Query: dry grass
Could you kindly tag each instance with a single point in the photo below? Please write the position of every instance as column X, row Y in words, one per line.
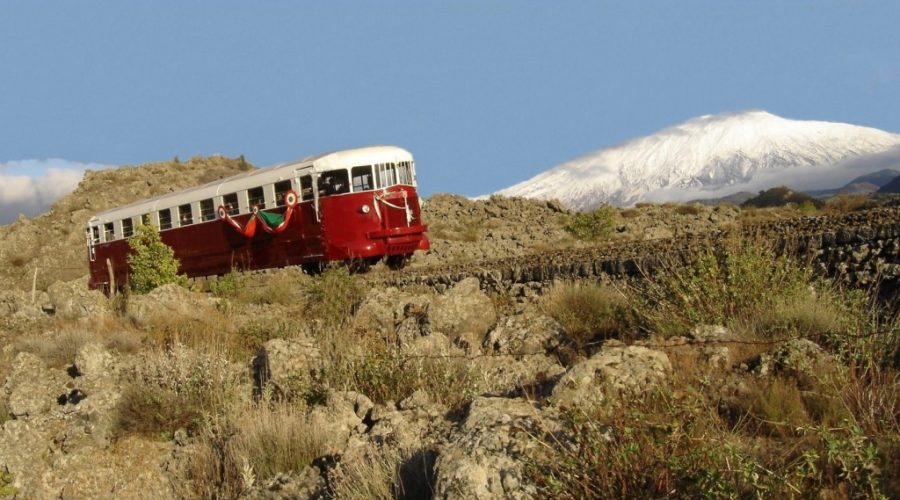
column 384, row 372
column 676, row 444
column 386, row 474
column 748, row 287
column 62, row 340
column 845, row 204
column 250, row 443
column 173, row 388
column 693, row 209
column 589, row 312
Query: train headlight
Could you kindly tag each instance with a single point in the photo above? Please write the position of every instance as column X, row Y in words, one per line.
column 364, row 209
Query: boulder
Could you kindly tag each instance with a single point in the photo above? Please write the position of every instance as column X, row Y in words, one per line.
column 464, row 314
column 484, row 458
column 31, row 388
column 306, row 483
column 522, row 353
column 73, row 299
column 712, row 341
column 169, row 301
column 338, row 418
column 525, row 333
column 803, row 356
column 287, row 366
column 131, row 468
column 610, row 375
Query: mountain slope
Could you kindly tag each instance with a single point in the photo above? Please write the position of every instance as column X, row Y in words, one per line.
column 53, row 242
column 891, row 187
column 706, row 157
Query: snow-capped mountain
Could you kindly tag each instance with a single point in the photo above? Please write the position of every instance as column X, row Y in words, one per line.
column 717, row 155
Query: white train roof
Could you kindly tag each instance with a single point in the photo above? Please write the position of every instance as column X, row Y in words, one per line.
column 256, row 178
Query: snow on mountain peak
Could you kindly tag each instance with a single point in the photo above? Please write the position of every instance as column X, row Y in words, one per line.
column 709, row 156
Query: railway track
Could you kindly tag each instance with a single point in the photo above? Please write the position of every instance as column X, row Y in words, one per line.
column 856, row 245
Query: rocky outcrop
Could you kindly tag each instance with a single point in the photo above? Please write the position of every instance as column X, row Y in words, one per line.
column 484, row 457
column 73, row 299
column 464, row 314
column 307, row 483
column 520, row 352
column 286, row 367
column 610, row 376
column 167, row 302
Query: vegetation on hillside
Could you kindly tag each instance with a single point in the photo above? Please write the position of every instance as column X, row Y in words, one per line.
column 781, row 196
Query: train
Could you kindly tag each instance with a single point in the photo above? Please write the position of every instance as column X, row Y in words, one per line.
column 358, row 206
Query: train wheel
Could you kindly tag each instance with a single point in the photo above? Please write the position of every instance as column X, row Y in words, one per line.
column 398, row 261
column 312, row 268
column 362, row 265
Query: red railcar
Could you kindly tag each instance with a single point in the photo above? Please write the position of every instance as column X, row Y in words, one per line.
column 356, row 205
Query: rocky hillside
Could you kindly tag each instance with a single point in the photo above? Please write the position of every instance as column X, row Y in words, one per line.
column 53, row 243
column 732, row 370
column 278, row 385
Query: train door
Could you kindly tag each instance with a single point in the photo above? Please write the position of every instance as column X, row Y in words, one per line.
column 310, row 220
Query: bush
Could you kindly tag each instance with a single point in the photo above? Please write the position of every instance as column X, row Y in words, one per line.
column 152, row 262
column 173, row 389
column 591, row 226
column 588, row 312
column 738, row 287
column 676, row 446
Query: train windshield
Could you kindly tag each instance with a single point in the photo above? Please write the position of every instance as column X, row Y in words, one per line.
column 390, row 174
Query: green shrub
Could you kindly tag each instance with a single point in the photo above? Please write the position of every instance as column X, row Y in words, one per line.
column 228, row 285
column 738, row 286
column 591, row 226
column 152, row 262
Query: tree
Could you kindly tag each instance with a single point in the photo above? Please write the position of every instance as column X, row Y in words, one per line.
column 152, row 262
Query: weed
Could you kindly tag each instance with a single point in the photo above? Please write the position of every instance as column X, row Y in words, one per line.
column 254, row 442
column 736, row 287
column 677, row 447
column 227, row 286
column 333, row 296
column 591, row 226
column 386, row 473
column 172, row 389
column 589, row 312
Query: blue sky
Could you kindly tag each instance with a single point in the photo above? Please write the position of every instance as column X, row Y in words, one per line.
column 484, row 93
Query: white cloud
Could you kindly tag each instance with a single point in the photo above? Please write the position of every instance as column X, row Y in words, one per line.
column 30, row 186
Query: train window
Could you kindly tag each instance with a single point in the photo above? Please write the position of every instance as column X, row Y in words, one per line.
column 185, row 217
column 403, row 174
column 165, row 219
column 207, row 210
column 333, row 182
column 362, row 178
column 255, row 195
column 145, row 219
column 109, row 233
column 387, row 175
column 95, row 234
column 127, row 228
column 231, row 204
column 281, row 188
column 306, row 190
